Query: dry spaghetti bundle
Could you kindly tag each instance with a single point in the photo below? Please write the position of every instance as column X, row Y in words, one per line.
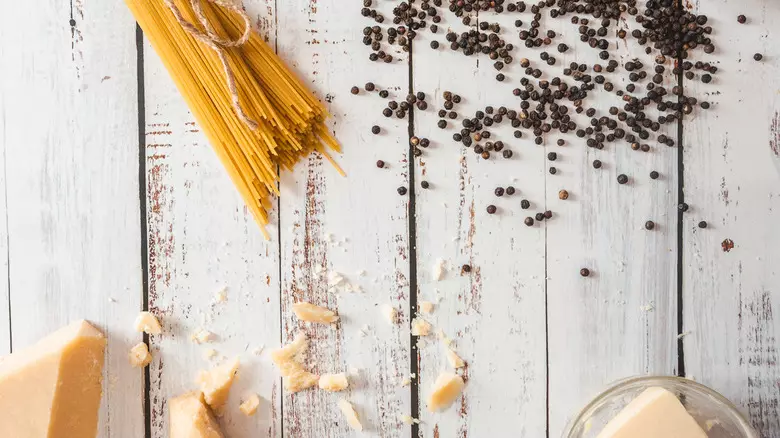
column 255, row 112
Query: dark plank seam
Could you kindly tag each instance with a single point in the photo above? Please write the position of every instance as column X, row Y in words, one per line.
column 279, row 240
column 546, row 318
column 680, row 226
column 139, row 47
column 411, row 215
column 7, row 249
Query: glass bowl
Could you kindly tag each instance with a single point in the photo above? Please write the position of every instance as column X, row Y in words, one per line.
column 714, row 413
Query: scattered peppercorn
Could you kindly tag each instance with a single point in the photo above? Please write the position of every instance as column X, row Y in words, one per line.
column 649, row 225
column 585, row 272
column 654, row 175
column 741, row 19
column 401, row 190
column 491, row 209
column 539, row 217
column 529, row 221
column 370, row 86
column 597, row 164
column 563, row 195
column 758, row 57
column 548, row 214
column 465, row 268
column 499, row 191
column 703, row 224
column 524, row 204
column 354, row 90
column 552, row 156
column 553, row 171
column 682, row 207
column 622, row 179
column 510, row 191
column 375, row 129
column 380, row 164
column 414, row 141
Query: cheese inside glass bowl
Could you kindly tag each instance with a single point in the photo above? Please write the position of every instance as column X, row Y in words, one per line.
column 715, row 415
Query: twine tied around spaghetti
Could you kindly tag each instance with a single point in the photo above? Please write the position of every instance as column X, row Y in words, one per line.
column 210, row 38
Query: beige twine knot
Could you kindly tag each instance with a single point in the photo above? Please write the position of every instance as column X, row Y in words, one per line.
column 218, row 44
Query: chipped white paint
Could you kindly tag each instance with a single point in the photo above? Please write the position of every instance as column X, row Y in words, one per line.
column 732, row 298
column 68, row 127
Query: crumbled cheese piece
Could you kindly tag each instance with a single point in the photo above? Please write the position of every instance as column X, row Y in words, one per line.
column 406, row 381
column 425, row 306
column 420, row 327
column 454, row 360
column 148, row 323
column 210, row 353
column 390, row 313
column 446, row 389
column 249, row 406
column 221, row 295
column 334, row 382
column 683, row 334
column 438, row 270
column 335, row 279
column 310, row 313
column 349, row 413
column 215, row 383
column 288, row 359
column 408, row 419
column 202, row 336
column 140, row 356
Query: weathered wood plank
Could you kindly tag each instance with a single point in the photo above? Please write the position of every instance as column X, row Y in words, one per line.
column 732, row 295
column 346, row 225
column 5, row 304
column 620, row 321
column 203, row 239
column 494, row 314
column 69, row 118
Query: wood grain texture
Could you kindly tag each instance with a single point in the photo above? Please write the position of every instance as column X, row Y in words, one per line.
column 69, row 120
column 354, row 225
column 202, row 239
column 732, row 295
column 494, row 314
column 621, row 321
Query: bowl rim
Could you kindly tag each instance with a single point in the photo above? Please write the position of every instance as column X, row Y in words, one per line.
column 622, row 383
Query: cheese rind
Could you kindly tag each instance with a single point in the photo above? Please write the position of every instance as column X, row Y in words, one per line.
column 446, row 389
column 215, row 384
column 53, row 388
column 191, row 418
column 656, row 412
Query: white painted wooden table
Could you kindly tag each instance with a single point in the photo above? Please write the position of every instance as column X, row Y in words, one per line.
column 95, row 226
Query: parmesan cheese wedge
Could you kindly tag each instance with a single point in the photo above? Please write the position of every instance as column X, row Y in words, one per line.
column 310, row 313
column 288, row 359
column 148, row 323
column 446, row 389
column 215, row 384
column 191, row 418
column 349, row 413
column 334, row 382
column 420, row 327
column 140, row 356
column 249, row 406
column 454, row 360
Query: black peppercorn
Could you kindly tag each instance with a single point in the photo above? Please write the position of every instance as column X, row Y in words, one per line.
column 682, row 207
column 649, row 225
column 654, row 175
column 442, row 124
column 552, row 156
column 465, row 268
column 758, row 57
column 387, row 112
column 703, row 224
column 584, row 272
column 499, row 191
column 510, row 191
column 507, row 153
column 383, row 94
column 524, row 204
column 424, row 184
column 375, row 129
column 597, row 164
column 539, row 217
column 434, row 44
column 380, row 164
column 354, row 90
column 741, row 19
column 622, row 179
column 491, row 209
column 529, row 221
column 401, row 190
column 553, row 171
column 370, row 86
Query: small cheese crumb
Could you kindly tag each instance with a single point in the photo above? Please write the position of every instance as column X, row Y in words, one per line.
column 249, row 406
column 288, row 359
column 454, row 359
column 349, row 413
column 408, row 419
column 221, row 295
column 438, row 270
column 210, row 354
column 140, row 356
column 335, row 279
column 334, row 382
column 148, row 323
column 446, row 389
column 420, row 327
column 425, row 306
column 390, row 313
column 202, row 336
column 310, row 313
column 406, row 381
column 215, row 383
